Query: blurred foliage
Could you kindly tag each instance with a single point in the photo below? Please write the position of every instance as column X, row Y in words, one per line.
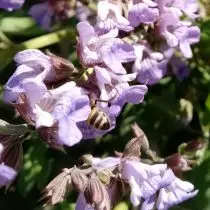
column 160, row 116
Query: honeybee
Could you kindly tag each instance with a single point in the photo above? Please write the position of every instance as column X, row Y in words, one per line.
column 97, row 118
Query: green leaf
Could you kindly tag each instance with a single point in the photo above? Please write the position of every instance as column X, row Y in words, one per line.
column 34, row 164
column 23, row 26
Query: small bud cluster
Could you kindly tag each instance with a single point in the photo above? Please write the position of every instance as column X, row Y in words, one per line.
column 100, row 182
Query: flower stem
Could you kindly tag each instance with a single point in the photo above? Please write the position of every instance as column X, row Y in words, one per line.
column 48, row 39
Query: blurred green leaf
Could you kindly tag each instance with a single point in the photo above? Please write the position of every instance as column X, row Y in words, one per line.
column 23, row 26
column 35, row 163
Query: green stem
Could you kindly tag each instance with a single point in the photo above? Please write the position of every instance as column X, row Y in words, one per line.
column 48, row 39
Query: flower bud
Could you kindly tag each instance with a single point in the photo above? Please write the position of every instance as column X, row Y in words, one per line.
column 104, row 176
column 96, row 194
column 63, row 67
column 178, row 163
column 115, row 189
column 57, row 189
column 79, row 179
column 138, row 132
column 133, row 147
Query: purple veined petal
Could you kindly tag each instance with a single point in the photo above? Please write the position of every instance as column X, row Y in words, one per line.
column 86, row 31
column 185, row 49
column 81, row 203
column 65, row 88
column 111, row 34
column 11, row 4
column 30, row 55
column 68, row 132
column 148, row 203
column 82, row 109
column 175, row 193
column 42, row 13
column 134, row 94
column 105, row 163
column 193, row 34
column 190, row 8
column 152, row 71
column 7, row 174
column 102, row 75
column 166, row 21
column 184, row 185
column 167, row 178
column 34, row 90
column 116, row 52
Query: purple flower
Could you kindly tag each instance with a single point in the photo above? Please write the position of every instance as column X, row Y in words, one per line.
column 149, row 66
column 175, row 193
column 61, row 108
column 34, row 67
column 142, row 11
column 177, row 7
column 144, row 180
column 125, row 94
column 7, row 174
column 11, row 4
column 178, row 33
column 179, row 67
column 43, row 14
column 110, row 17
column 82, row 12
column 104, row 50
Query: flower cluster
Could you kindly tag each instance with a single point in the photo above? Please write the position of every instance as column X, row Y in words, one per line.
column 100, row 182
column 128, row 48
column 43, row 92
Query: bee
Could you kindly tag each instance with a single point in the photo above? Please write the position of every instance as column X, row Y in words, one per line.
column 85, row 76
column 98, row 119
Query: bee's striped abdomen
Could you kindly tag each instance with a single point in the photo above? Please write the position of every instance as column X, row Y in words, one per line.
column 98, row 119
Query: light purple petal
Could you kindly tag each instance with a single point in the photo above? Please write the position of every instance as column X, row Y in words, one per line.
column 86, row 31
column 81, row 203
column 105, row 163
column 149, row 203
column 68, row 132
column 142, row 13
column 82, row 109
column 42, row 13
column 11, row 4
column 7, row 174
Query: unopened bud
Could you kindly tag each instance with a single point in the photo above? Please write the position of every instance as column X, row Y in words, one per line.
column 195, row 145
column 186, row 111
column 96, row 194
column 79, row 180
column 138, row 132
column 57, row 189
column 104, row 176
column 133, row 147
column 87, row 159
column 178, row 163
column 115, row 190
column 63, row 67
